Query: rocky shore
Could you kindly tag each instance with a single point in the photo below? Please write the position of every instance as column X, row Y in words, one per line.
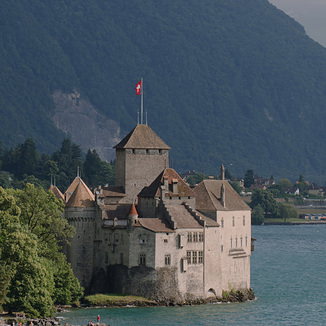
column 231, row 296
column 51, row 321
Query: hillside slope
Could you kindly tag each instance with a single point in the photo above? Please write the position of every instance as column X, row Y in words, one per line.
column 225, row 81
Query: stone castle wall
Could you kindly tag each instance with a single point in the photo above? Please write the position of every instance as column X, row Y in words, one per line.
column 138, row 168
column 80, row 251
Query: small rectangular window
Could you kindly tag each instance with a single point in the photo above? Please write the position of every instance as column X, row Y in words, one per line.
column 194, row 257
column 167, row 259
column 195, row 237
column 201, row 236
column 142, row 259
column 189, row 257
column 189, row 237
column 184, row 263
column 181, row 240
column 200, row 257
column 244, row 220
column 233, row 221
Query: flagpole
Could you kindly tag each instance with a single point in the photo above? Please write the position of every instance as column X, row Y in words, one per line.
column 142, row 101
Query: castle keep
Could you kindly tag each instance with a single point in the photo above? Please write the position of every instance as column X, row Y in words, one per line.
column 152, row 235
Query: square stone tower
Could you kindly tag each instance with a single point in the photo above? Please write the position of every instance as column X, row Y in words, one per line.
column 140, row 157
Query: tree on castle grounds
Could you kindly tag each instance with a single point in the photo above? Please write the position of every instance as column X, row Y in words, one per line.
column 31, row 230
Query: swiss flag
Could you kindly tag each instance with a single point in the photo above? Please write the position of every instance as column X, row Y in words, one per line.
column 138, row 88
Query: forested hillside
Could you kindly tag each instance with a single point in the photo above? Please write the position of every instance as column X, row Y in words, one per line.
column 225, row 81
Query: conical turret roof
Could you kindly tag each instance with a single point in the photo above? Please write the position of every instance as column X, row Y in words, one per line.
column 133, row 211
column 81, row 197
column 142, row 137
column 73, row 186
column 57, row 192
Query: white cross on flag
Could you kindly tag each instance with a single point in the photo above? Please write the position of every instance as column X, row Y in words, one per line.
column 138, row 88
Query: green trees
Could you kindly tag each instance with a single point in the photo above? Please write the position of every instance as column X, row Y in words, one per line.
column 249, row 178
column 257, row 215
column 287, row 211
column 61, row 165
column 265, row 199
column 262, row 201
column 97, row 172
column 302, row 185
column 68, row 159
column 235, row 185
column 35, row 274
column 285, row 184
column 196, row 179
column 100, row 66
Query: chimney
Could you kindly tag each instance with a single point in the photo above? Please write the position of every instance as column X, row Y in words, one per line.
column 223, row 195
column 222, row 172
column 175, row 186
column 166, row 184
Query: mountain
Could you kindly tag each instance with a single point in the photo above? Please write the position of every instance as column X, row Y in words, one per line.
column 225, row 81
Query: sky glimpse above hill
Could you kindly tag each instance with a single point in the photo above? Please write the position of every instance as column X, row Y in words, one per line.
column 309, row 13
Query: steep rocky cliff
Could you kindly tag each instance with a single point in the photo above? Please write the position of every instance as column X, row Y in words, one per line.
column 82, row 122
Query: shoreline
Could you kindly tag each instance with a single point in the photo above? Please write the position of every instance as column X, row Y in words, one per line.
column 228, row 297
column 295, row 223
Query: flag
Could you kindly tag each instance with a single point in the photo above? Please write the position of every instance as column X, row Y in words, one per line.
column 138, row 88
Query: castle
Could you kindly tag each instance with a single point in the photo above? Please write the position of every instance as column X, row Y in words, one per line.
column 152, row 235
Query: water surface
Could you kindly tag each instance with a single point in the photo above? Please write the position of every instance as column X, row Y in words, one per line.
column 288, row 275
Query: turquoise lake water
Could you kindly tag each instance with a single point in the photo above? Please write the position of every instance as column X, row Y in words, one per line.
column 288, row 275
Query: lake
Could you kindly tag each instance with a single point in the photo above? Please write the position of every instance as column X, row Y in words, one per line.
column 288, row 274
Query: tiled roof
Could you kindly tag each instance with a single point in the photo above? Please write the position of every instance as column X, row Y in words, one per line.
column 209, row 197
column 57, row 192
column 155, row 224
column 120, row 211
column 142, row 137
column 182, row 217
column 73, row 186
column 81, row 197
column 185, row 220
column 153, row 190
column 133, row 211
column 111, row 191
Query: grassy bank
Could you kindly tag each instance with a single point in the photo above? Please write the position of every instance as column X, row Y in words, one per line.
column 109, row 300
